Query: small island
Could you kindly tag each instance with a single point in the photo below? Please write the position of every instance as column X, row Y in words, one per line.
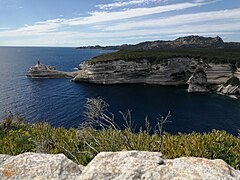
column 204, row 63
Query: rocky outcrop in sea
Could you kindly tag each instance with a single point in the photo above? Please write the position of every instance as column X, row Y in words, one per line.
column 123, row 165
column 198, row 81
column 45, row 71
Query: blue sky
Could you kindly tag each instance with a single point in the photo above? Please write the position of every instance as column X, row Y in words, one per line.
column 110, row 22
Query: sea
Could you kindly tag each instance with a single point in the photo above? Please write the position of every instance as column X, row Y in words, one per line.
column 61, row 102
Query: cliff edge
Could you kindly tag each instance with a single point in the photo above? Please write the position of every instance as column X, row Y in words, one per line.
column 163, row 63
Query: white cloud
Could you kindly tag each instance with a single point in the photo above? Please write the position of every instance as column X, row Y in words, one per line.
column 178, row 20
column 4, row 28
column 126, row 3
column 77, row 30
column 75, row 36
column 97, row 17
column 36, row 29
column 103, row 16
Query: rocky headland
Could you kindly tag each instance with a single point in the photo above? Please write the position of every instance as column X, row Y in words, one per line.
column 45, row 71
column 205, row 64
column 173, row 71
column 124, row 165
column 201, row 77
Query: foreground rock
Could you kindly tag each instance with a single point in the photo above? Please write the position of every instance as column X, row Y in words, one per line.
column 44, row 71
column 29, row 166
column 151, row 165
column 123, row 165
column 198, row 81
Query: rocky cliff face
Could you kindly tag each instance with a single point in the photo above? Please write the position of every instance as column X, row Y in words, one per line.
column 231, row 87
column 173, row 71
column 228, row 89
column 198, row 81
column 123, row 165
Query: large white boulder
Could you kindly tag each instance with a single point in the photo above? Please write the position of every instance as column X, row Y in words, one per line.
column 125, row 165
column 134, row 165
column 31, row 166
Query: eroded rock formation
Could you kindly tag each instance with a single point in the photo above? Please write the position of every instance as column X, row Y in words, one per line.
column 230, row 88
column 198, row 81
column 173, row 71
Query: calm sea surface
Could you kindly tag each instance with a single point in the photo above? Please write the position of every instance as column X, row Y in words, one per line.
column 61, row 102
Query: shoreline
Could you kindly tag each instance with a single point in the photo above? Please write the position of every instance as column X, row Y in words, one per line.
column 120, row 72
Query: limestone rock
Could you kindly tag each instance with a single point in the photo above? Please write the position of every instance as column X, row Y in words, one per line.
column 172, row 71
column 237, row 73
column 218, row 73
column 229, row 89
column 44, row 71
column 29, row 166
column 198, row 81
column 150, row 165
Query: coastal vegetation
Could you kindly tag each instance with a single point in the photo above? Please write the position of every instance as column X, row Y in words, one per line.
column 214, row 55
column 100, row 133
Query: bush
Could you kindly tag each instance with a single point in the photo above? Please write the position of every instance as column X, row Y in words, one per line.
column 213, row 55
column 83, row 144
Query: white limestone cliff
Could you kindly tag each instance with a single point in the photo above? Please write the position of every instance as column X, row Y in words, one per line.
column 198, row 81
column 173, row 71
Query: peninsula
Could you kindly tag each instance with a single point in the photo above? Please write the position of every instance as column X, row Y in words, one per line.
column 43, row 71
column 205, row 63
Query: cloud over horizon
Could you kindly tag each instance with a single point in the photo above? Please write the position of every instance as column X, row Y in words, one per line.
column 135, row 21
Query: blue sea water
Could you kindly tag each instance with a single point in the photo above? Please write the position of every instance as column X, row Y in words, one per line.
column 61, row 102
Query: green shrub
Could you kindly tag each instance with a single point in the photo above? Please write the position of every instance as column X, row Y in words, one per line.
column 214, row 55
column 83, row 144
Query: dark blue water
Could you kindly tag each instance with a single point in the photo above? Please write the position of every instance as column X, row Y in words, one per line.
column 61, row 102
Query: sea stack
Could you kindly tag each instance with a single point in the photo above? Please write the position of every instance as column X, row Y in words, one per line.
column 198, row 81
